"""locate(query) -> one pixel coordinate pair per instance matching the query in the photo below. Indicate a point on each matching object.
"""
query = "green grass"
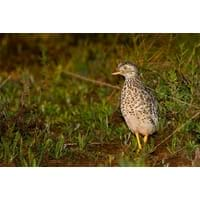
(48, 118)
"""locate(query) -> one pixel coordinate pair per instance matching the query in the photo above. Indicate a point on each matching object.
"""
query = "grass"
(50, 117)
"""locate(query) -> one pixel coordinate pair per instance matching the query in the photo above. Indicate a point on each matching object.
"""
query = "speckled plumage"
(138, 105)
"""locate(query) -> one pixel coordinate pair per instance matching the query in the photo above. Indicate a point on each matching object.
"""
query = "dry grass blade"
(183, 102)
(175, 131)
(100, 83)
(5, 81)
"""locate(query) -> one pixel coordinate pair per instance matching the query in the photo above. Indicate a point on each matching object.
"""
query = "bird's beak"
(116, 73)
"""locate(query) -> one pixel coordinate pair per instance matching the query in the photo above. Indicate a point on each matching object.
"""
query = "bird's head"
(126, 69)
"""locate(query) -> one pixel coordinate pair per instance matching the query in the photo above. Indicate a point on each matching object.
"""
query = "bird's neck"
(132, 77)
(133, 81)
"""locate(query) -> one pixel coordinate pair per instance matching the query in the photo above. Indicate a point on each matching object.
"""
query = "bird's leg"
(145, 139)
(138, 141)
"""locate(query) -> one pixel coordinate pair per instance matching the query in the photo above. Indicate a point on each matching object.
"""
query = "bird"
(138, 105)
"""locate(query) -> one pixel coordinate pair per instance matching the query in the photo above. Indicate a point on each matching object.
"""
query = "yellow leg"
(138, 141)
(145, 139)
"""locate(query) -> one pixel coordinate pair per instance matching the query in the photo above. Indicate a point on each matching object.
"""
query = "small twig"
(175, 131)
(92, 80)
(5, 81)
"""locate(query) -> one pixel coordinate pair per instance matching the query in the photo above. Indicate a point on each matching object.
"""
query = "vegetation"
(51, 117)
